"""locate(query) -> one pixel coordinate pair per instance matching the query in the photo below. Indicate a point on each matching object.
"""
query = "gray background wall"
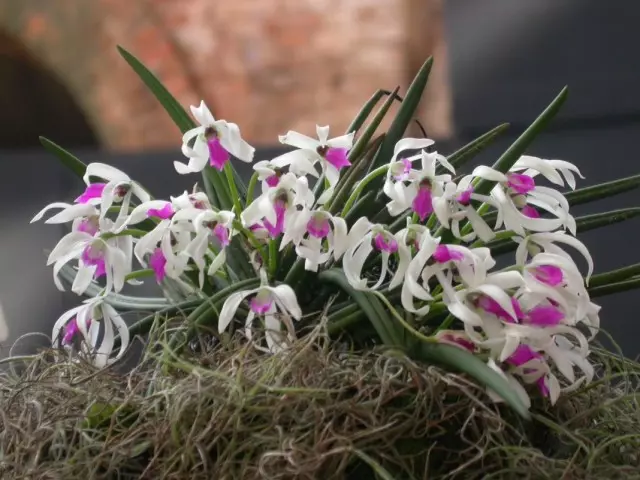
(508, 60)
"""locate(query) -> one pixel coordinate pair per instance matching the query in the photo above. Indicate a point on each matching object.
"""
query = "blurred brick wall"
(268, 65)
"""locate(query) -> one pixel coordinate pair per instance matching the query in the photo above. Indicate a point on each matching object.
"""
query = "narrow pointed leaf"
(405, 114)
(389, 332)
(614, 276)
(513, 153)
(364, 113)
(66, 158)
(460, 360)
(363, 141)
(212, 179)
(603, 190)
(625, 285)
(466, 153)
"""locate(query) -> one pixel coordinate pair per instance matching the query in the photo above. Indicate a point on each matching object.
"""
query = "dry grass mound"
(314, 413)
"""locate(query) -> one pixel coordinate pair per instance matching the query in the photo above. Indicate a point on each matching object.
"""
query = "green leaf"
(614, 276)
(405, 114)
(508, 158)
(364, 113)
(363, 142)
(66, 158)
(617, 287)
(353, 176)
(583, 224)
(389, 332)
(170, 104)
(461, 156)
(460, 360)
(603, 190)
(213, 180)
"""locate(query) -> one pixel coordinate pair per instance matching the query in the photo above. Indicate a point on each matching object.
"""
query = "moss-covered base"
(314, 413)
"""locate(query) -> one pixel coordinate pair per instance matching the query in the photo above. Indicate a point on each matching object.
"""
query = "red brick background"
(268, 65)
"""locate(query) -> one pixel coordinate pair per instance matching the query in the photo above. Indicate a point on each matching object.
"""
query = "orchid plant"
(343, 230)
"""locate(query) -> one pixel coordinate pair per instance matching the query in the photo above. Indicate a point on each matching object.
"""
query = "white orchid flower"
(119, 189)
(515, 385)
(88, 320)
(276, 305)
(550, 169)
(332, 154)
(317, 235)
(96, 257)
(208, 225)
(365, 238)
(214, 141)
(268, 173)
(84, 217)
(273, 208)
(165, 246)
(454, 206)
(472, 305)
(191, 200)
(533, 243)
(415, 189)
(521, 198)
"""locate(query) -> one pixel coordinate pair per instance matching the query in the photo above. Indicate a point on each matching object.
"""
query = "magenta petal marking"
(549, 274)
(277, 229)
(158, 262)
(520, 183)
(458, 341)
(163, 213)
(543, 385)
(93, 190)
(89, 225)
(529, 211)
(218, 156)
(404, 174)
(222, 234)
(260, 304)
(70, 331)
(385, 244)
(489, 305)
(523, 354)
(423, 203)
(94, 257)
(272, 180)
(544, 316)
(337, 157)
(444, 254)
(318, 227)
(465, 197)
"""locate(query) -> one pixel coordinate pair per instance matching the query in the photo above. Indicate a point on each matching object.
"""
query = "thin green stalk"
(363, 183)
(237, 204)
(251, 188)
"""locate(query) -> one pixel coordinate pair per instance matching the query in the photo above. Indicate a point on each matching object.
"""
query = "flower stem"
(363, 183)
(273, 257)
(251, 188)
(237, 205)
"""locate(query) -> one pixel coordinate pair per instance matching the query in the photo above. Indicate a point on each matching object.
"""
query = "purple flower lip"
(520, 183)
(218, 156)
(318, 227)
(444, 254)
(383, 244)
(163, 213)
(158, 262)
(423, 203)
(92, 191)
(464, 198)
(338, 157)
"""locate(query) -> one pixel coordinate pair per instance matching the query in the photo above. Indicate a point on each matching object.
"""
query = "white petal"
(410, 144)
(287, 297)
(344, 141)
(229, 308)
(41, 213)
(299, 140)
(488, 173)
(106, 172)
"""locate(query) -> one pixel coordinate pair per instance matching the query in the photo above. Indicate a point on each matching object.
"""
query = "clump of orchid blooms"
(333, 232)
